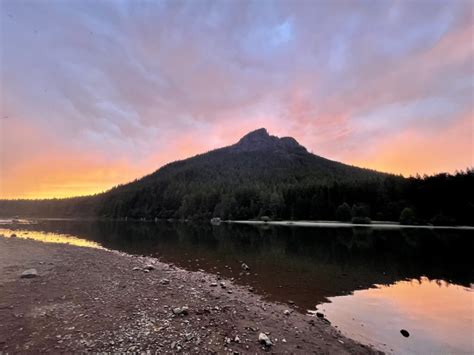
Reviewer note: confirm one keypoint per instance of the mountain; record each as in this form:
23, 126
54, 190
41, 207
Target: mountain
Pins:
257, 158
264, 175
258, 164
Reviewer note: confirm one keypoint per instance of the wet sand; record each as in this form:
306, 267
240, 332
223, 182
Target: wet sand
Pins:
86, 299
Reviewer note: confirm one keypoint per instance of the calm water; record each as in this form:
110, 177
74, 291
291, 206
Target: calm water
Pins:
370, 283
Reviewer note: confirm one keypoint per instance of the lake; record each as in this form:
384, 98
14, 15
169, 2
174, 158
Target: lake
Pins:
369, 282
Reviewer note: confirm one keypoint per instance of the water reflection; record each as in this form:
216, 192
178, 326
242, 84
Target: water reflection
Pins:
313, 266
48, 237
304, 264
438, 315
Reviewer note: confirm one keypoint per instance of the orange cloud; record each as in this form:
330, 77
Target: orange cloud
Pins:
62, 176
415, 151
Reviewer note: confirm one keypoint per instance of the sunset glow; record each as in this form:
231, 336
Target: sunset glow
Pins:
96, 94
56, 238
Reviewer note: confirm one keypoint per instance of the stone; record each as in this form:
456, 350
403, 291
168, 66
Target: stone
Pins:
149, 267
405, 333
245, 266
181, 311
286, 312
264, 339
29, 274
136, 268
319, 315
213, 284
223, 284
164, 282
236, 339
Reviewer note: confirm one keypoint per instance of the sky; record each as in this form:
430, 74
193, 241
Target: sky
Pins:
97, 93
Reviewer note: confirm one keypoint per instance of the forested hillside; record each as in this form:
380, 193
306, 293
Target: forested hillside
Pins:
263, 175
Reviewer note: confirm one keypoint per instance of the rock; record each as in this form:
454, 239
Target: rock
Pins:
405, 333
216, 221
245, 266
181, 311
136, 268
319, 315
223, 284
164, 282
286, 312
213, 284
325, 320
236, 339
149, 267
29, 274
291, 302
264, 339
251, 289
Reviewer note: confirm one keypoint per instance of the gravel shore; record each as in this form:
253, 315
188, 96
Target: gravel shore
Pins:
86, 299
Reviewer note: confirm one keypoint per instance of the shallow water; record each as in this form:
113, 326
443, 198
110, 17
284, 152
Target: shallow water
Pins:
370, 283
49, 237
433, 311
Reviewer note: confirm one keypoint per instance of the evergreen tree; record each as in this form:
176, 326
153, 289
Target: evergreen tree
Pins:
407, 216
343, 213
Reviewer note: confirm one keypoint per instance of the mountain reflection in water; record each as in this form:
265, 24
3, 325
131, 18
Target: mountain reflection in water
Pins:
306, 265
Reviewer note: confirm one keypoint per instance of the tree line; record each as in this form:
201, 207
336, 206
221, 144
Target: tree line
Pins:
442, 199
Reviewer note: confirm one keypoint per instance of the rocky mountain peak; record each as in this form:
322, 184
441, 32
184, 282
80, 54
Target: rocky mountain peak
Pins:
257, 136
260, 139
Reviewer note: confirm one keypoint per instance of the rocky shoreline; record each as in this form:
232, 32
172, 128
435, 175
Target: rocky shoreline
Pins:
85, 299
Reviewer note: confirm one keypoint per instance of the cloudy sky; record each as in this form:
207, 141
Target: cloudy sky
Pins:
96, 93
